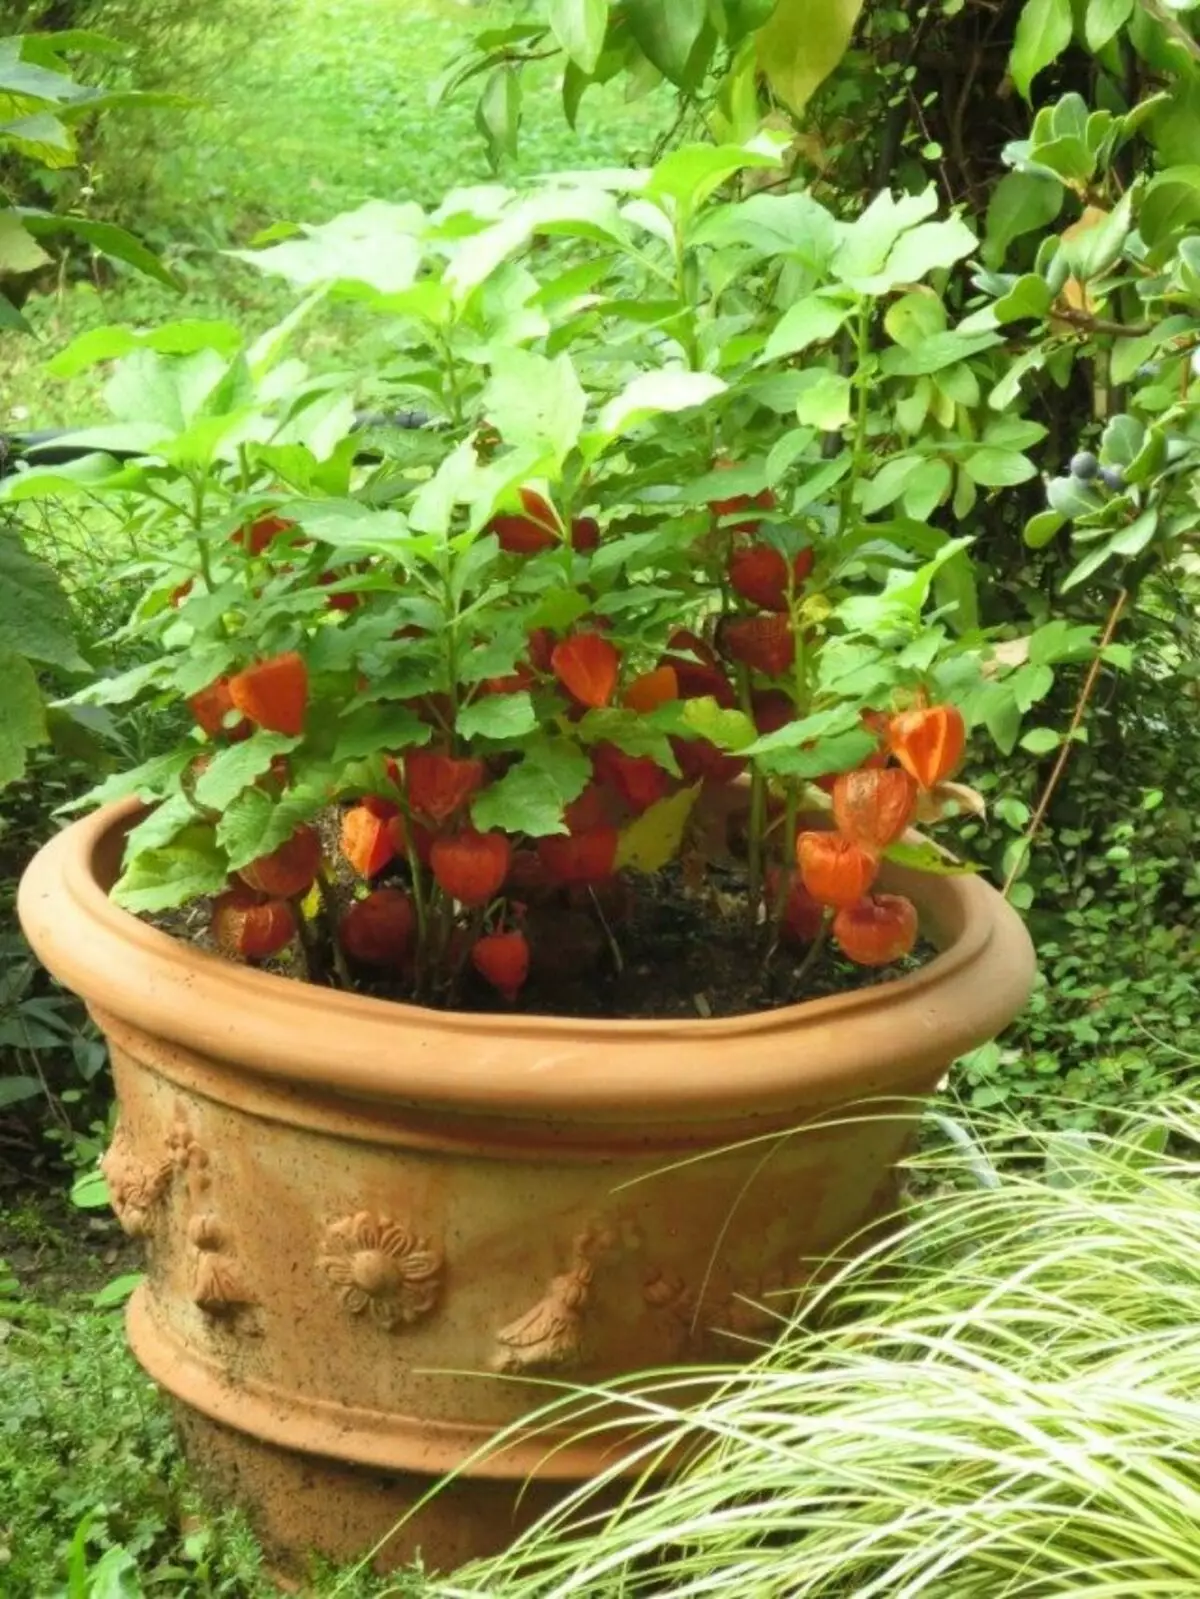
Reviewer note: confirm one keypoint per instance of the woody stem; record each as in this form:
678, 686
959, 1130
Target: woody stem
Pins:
1064, 754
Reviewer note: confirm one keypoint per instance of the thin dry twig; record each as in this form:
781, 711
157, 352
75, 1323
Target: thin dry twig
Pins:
1064, 754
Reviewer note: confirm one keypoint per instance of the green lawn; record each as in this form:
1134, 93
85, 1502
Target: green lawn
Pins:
330, 109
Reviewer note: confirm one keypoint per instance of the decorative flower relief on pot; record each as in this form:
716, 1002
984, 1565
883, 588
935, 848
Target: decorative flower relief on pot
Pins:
136, 1187
549, 1337
382, 1270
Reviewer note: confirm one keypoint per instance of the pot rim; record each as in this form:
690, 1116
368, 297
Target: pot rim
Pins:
866, 1041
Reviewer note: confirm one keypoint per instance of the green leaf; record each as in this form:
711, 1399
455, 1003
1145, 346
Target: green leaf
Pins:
1002, 718
22, 714
1122, 441
111, 343
890, 482
579, 26
1091, 563
1092, 251
1171, 202
651, 393
116, 1293
380, 730
631, 732
1022, 202
1103, 20
914, 318
255, 823
917, 252
926, 489
11, 318
235, 768
793, 225
535, 402
531, 797
997, 469
801, 43
498, 716
1043, 33
654, 838
728, 730
1041, 740
89, 1191
498, 114
689, 175
19, 250
838, 753
105, 238
810, 321
1009, 386
927, 858
161, 827
1030, 297
525, 800
376, 245
1132, 540
15, 1090
667, 32
152, 780
190, 868
35, 616
1040, 529
943, 350
824, 400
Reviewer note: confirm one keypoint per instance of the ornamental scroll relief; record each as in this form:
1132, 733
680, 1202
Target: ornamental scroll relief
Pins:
136, 1187
140, 1187
218, 1287
549, 1336
382, 1270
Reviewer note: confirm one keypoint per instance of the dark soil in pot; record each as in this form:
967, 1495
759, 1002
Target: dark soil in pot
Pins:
648, 948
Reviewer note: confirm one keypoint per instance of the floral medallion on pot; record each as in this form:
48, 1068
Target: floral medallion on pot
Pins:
381, 1270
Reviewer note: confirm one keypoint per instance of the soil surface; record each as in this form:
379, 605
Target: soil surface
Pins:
55, 1251
647, 948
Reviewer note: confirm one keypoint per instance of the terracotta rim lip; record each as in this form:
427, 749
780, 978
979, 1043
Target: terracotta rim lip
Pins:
68, 915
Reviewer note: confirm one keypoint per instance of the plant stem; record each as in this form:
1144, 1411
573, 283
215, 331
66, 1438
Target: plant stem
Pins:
758, 797
329, 928
198, 530
758, 808
614, 947
862, 351
1064, 754
815, 951
453, 392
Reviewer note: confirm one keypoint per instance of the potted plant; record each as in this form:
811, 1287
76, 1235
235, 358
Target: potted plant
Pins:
478, 964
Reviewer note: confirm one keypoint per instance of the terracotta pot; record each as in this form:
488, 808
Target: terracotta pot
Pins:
359, 1216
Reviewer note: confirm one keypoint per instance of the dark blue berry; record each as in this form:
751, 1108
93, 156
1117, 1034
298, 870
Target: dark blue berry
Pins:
1112, 477
1084, 466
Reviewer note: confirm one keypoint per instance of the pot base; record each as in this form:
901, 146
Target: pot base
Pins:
302, 1505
